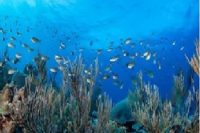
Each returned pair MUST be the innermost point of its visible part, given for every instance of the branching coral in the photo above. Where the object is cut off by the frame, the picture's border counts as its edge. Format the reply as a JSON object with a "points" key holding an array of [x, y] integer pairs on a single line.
{"points": [[178, 91], [145, 104], [104, 108], [192, 124], [104, 125], [194, 62], [159, 116], [41, 61], [80, 89], [39, 112], [40, 108]]}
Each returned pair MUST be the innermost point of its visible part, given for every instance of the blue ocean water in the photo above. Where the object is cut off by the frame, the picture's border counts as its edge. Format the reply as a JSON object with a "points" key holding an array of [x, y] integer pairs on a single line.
{"points": [[166, 28]]}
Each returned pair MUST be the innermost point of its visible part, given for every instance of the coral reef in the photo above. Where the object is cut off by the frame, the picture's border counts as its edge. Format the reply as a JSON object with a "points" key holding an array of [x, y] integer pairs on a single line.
{"points": [[30, 103], [159, 115], [37, 107]]}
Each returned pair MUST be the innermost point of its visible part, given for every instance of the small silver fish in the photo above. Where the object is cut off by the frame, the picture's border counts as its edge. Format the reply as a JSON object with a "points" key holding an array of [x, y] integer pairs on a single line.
{"points": [[35, 40], [130, 65], [30, 49], [89, 80], [57, 57], [1, 63], [115, 77], [53, 70], [128, 41], [1, 30], [125, 53], [12, 38], [18, 56], [11, 45], [87, 72], [62, 46], [108, 68], [61, 68], [99, 51], [114, 59], [44, 58], [24, 45], [106, 77], [109, 49], [181, 49], [148, 56], [11, 71], [19, 33], [145, 54]]}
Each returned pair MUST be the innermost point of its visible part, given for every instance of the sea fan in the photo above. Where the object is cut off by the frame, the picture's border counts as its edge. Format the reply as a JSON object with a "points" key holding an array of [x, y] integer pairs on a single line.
{"points": [[194, 62]]}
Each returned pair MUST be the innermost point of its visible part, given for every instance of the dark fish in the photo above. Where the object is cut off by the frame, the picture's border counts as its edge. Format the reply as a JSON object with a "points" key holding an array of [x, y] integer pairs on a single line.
{"points": [[30, 49], [15, 61], [128, 41], [62, 46], [1, 30], [19, 33], [35, 40], [2, 63], [125, 53], [12, 38], [10, 45], [105, 77], [99, 51]]}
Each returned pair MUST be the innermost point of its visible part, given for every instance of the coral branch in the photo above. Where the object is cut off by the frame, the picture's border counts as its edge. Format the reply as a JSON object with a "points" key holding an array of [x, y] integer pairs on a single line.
{"points": [[194, 62]]}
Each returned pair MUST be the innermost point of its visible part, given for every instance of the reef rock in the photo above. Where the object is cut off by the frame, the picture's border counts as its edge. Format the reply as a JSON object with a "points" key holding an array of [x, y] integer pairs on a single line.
{"points": [[6, 97], [18, 79], [121, 112], [7, 125]]}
